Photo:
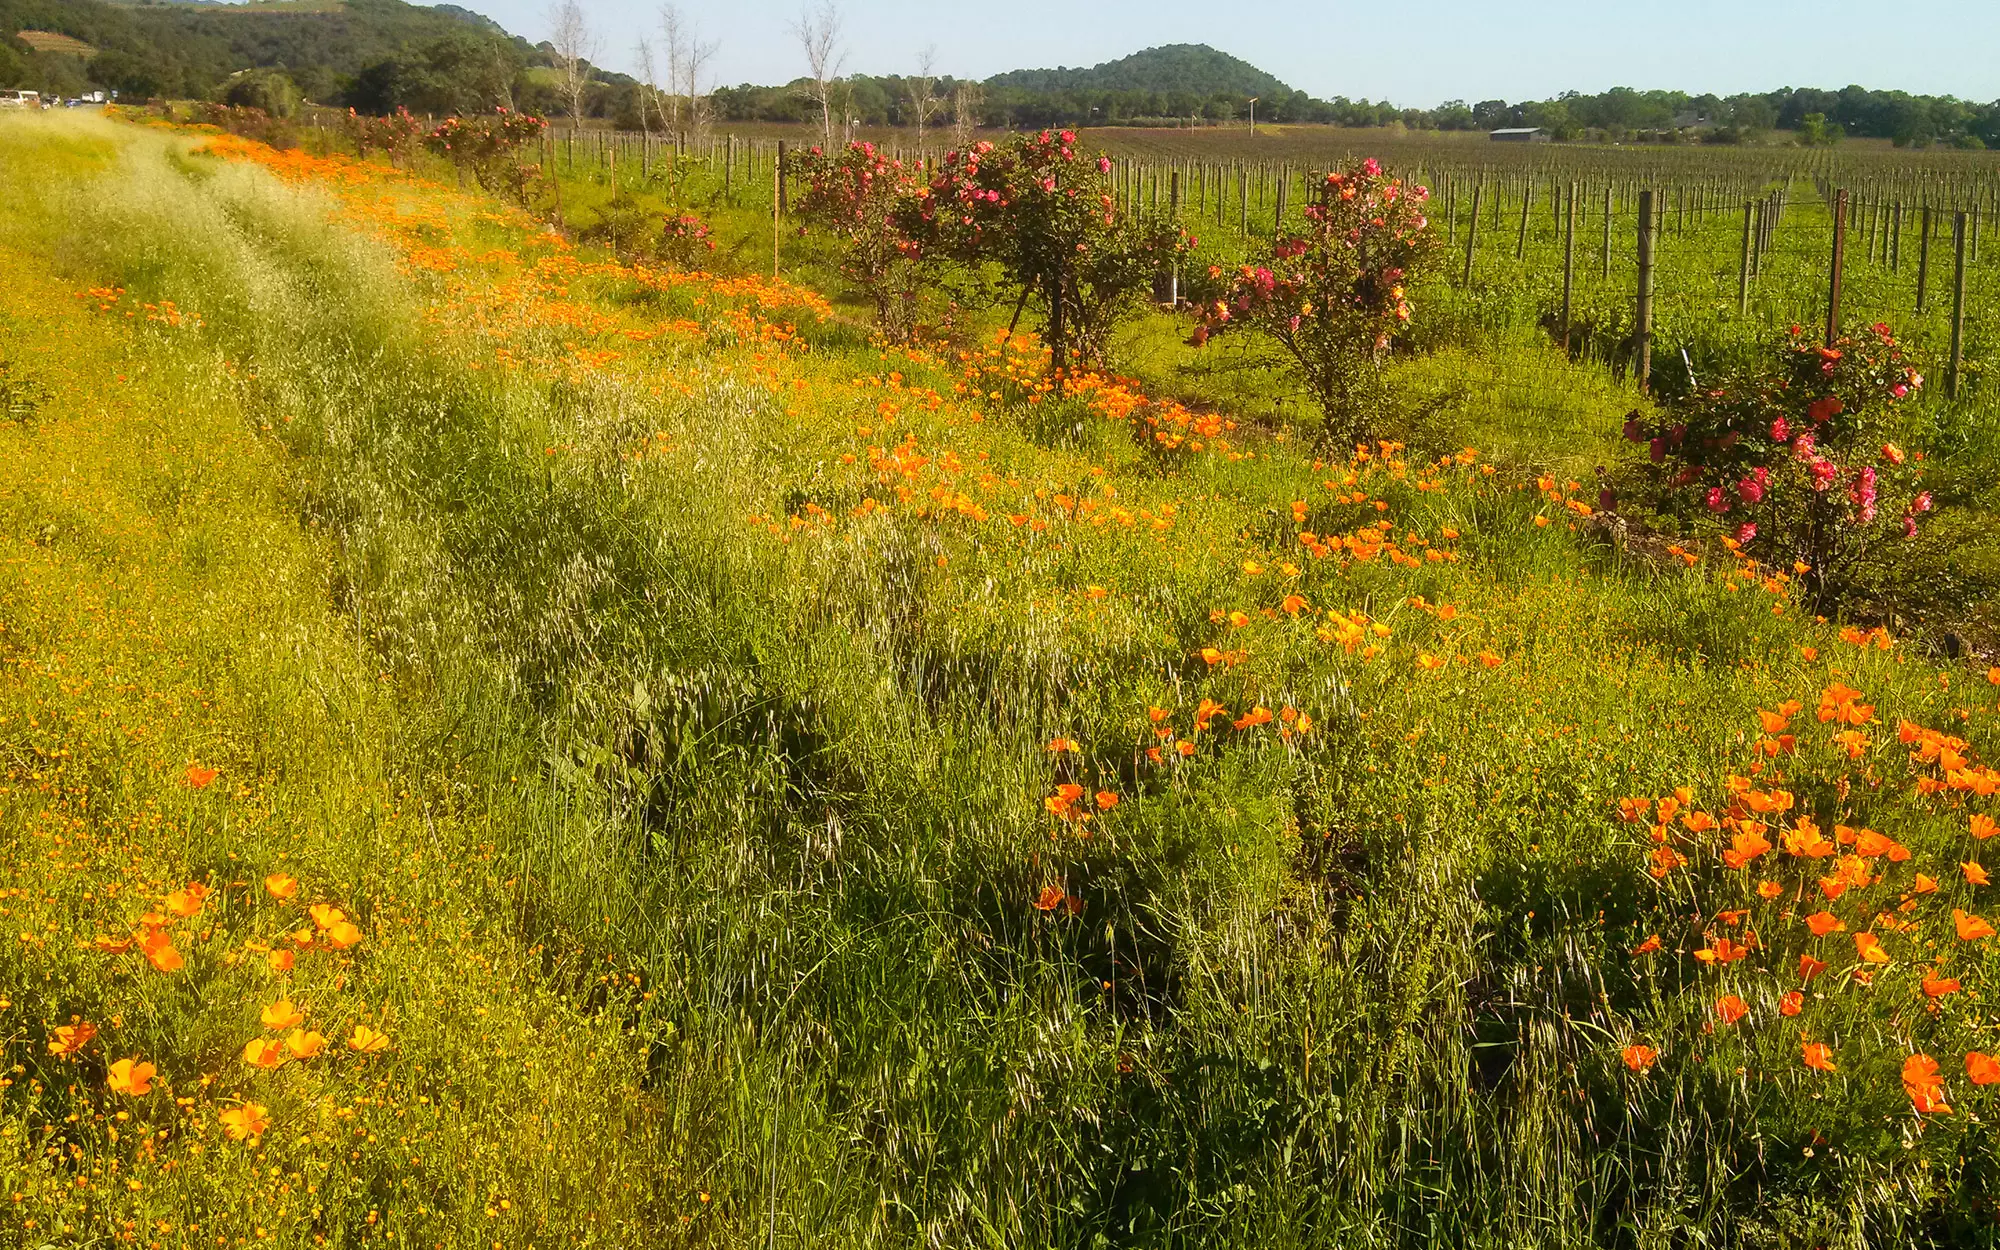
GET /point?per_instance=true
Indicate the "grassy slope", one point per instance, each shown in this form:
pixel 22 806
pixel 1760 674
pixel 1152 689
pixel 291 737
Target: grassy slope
pixel 695 856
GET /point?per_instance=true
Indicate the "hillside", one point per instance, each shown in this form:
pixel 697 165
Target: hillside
pixel 1190 68
pixel 433 58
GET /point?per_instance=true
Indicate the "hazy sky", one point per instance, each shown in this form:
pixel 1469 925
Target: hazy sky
pixel 1410 54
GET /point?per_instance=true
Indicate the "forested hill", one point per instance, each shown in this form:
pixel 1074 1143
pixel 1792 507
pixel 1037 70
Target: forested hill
pixel 1190 68
pixel 370 53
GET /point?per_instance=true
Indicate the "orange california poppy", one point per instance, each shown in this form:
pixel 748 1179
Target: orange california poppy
pixel 67 1039
pixel 1823 922
pixel 1938 987
pixel 1984 826
pixel 1058 745
pixel 1818 1056
pixel 1731 1008
pixel 1807 842
pixel 1982 1069
pixel 264 1052
pixel 1974 874
pixel 1868 844
pixel 281 961
pixel 1924 885
pixel 1768 890
pixel 1639 1058
pixel 367 1041
pixel 305 1043
pixel 158 946
pixel 342 935
pixel 244 1122
pixel 1792 1003
pixel 1810 967
pixel 1647 947
pixel 1722 951
pixel 1869 948
pixel 1970 927
pixel 187 902
pixel 1106 800
pixel 1745 847
pixel 280 886
pixel 130 1077
pixel 281 1015
pixel 1923 1084
pixel 325 915
pixel 199 777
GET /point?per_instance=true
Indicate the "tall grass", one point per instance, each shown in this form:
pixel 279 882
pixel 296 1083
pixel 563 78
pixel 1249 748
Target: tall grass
pixel 717 842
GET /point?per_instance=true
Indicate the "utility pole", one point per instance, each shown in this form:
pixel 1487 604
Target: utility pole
pixel 1253 116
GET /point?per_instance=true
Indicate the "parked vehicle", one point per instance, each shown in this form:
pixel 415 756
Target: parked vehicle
pixel 11 99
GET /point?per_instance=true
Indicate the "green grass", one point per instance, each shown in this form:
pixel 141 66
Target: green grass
pixel 696 857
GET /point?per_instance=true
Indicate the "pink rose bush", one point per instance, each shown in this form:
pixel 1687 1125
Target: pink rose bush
pixel 1335 294
pixel 1797 463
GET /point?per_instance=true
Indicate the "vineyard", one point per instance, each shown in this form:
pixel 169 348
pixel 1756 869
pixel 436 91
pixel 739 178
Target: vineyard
pixel 570 689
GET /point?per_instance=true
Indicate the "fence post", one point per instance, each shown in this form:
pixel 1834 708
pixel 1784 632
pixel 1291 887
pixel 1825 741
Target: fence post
pixel 1472 231
pixel 1923 259
pixel 1569 261
pixel 1743 278
pixel 1606 251
pixel 1839 264
pixel 1643 332
pixel 1521 238
pixel 1957 306
pixel 1174 206
pixel 1896 238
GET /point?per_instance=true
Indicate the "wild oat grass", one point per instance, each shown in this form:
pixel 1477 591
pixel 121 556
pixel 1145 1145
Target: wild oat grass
pixel 784 795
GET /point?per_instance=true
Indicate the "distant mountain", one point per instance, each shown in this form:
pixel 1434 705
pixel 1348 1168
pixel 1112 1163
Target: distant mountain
pixel 1180 68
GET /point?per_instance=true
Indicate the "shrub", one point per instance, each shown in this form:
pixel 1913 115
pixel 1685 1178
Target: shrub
pixel 1334 295
pixel 397 134
pixel 265 89
pixel 1793 457
pixel 684 241
pixel 859 196
pixel 1049 220
pixel 489 147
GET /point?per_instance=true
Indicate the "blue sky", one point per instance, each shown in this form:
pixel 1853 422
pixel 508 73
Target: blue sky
pixel 1412 55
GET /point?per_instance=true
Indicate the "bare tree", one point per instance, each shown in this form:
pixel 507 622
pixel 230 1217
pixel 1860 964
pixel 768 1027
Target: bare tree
pixel 921 84
pixel 574 46
pixel 687 62
pixel 694 71
pixel 649 88
pixel 674 27
pixel 964 113
pixel 818 33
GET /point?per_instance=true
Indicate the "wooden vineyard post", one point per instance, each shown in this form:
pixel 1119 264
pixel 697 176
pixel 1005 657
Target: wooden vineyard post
pixel 1757 239
pixel 1569 262
pixel 782 206
pixel 777 208
pixel 1451 214
pixel 1243 202
pixel 1642 333
pixel 1521 237
pixel 1605 257
pixel 1839 264
pixel 1174 207
pixel 1957 306
pixel 1923 258
pixel 1472 232
pixel 1896 238
pixel 1743 277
